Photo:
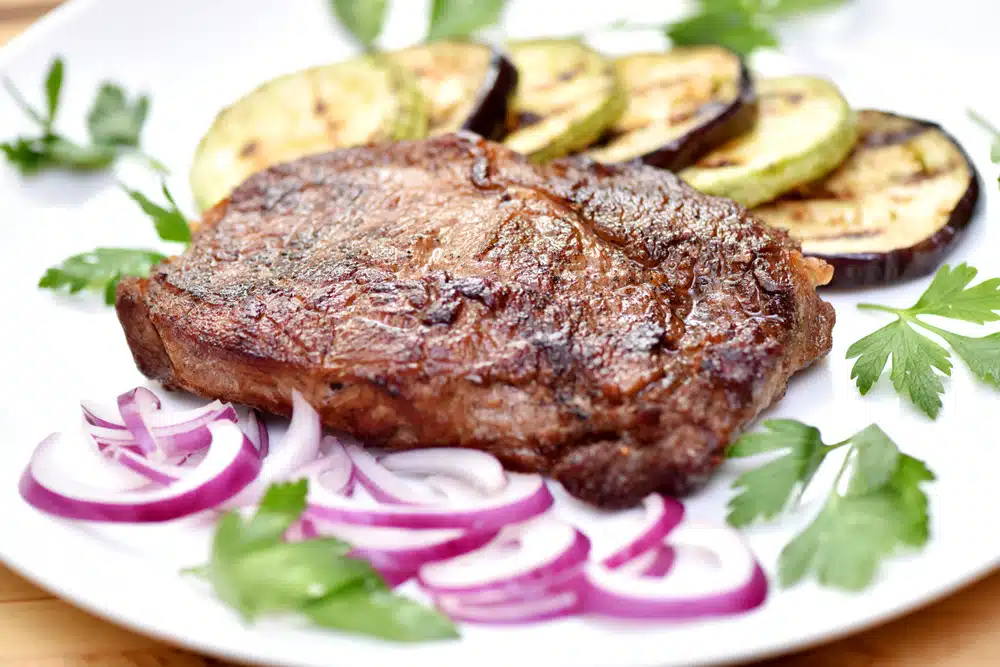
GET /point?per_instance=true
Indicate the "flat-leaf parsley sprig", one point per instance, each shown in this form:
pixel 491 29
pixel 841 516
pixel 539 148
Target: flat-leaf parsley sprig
pixel 918 362
pixel 114 124
pixel 100 270
pixel 875 508
pixel 253 570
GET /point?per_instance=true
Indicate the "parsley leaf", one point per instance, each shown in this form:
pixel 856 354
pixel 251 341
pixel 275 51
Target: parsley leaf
pixel 53 88
pixel 253 570
pixel 737 29
pixel 382 613
pixel 363 18
pixel 992 130
pixel 461 18
pixel 883 509
pixel 171 224
pixel 113 123
pixel 99 270
pixel 919 362
pixel 741 25
pixel 782 8
pixel 765 491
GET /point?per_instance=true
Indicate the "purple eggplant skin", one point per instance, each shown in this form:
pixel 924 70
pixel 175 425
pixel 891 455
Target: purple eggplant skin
pixel 919 260
pixel 488 117
pixel 736 118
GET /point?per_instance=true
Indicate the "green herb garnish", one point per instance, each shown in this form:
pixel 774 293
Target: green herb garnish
pixel 171 224
pixel 100 270
pixel 113 123
pixel 451 19
pixel 880 510
pixel 254 571
pixel 918 362
pixel 362 18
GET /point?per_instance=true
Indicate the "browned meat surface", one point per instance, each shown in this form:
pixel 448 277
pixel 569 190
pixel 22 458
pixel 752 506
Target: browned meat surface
pixel 608 326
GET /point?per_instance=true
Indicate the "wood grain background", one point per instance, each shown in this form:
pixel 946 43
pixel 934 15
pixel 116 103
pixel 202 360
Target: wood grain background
pixel 37 630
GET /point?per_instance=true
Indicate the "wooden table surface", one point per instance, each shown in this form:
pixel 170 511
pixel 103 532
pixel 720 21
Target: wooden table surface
pixel 37 630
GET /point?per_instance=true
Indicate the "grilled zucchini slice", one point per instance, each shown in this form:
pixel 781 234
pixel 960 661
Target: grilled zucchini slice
pixel 805 128
pixel 892 210
pixel 365 100
pixel 467 85
pixel 567 95
pixel 681 105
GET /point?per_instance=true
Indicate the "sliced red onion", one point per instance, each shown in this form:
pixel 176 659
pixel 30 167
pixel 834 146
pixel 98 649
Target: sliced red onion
pixel 257 431
pixel 231 464
pixel 662 516
pixel 154 471
pixel 548 607
pixel 523 556
pixel 453 490
pixel 174 438
pixel 738 585
pixel 301 445
pixel 479 469
pixel 400 549
pixel 134 406
pixel 384 485
pixel 526 496
pixel 179 419
pixel 654 563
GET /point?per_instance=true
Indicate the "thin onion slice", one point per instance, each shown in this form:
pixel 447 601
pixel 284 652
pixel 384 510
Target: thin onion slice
pixel 522 557
pixel 554 605
pixel 654 563
pixel 399 549
pixel 384 485
pixel 662 516
pixel 300 446
pixel 230 465
pixel 154 471
pixel 479 469
pixel 257 431
pixel 526 496
pixel 175 440
pixel 134 405
pixel 738 584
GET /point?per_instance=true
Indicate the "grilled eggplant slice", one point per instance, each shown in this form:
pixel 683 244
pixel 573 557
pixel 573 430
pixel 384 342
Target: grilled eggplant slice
pixel 681 105
pixel 805 128
pixel 365 100
pixel 893 209
pixel 467 85
pixel 567 96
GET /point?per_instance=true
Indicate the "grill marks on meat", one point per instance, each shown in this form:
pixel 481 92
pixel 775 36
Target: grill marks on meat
pixel 606 325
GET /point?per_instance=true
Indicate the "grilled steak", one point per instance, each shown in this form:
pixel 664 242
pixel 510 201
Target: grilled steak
pixel 608 326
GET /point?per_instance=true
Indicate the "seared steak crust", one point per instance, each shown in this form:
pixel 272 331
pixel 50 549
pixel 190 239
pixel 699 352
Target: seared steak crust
pixel 608 326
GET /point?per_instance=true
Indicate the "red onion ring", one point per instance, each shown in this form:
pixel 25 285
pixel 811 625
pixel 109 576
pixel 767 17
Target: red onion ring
pixel 398 549
pixel 256 431
pixel 384 485
pixel 549 607
pixel 231 464
pixel 301 445
pixel 134 406
pixel 526 496
pixel 738 586
pixel 174 438
pixel 523 556
pixel 476 468
pixel 662 516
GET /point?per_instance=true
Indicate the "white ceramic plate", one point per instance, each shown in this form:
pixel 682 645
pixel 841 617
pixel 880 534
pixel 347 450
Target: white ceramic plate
pixel 195 56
